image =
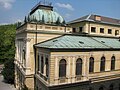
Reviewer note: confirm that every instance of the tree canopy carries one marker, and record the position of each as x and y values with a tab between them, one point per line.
7	42
7	51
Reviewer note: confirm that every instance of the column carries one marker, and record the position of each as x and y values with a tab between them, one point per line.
73	69
68	69
85	68
28	62
56	70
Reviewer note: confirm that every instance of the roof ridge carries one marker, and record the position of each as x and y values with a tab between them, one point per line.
88	16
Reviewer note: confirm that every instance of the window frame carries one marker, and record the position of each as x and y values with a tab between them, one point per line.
109	31
62	68
101	30
80	29
78	67
91	64
42	64
102	64
113	63
93	29
74	30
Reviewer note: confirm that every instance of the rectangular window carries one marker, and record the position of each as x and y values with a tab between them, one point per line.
109	31
74	30
116	32
93	29
101	30
80	29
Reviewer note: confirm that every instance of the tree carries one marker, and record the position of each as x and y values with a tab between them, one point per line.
8	71
7	42
7	51
58	21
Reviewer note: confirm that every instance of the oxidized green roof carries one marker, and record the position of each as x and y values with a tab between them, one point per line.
80	42
46	16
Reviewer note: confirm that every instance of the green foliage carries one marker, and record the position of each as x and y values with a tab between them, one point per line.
7	42
8	71
7	51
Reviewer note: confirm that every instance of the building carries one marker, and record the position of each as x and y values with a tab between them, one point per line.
81	55
96	25
41	24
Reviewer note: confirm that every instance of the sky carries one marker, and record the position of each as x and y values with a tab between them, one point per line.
12	11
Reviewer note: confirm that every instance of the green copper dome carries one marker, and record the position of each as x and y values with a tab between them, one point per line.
46	15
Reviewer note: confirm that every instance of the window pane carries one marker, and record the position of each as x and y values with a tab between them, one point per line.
93	29
42	65
102	64
47	67
62	68
116	32
91	64
113	63
80	29
79	66
74	30
109	31
101	30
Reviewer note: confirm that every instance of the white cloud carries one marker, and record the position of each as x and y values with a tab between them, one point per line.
7	4
67	6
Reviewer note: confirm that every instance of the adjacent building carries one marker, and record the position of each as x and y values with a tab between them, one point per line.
83	54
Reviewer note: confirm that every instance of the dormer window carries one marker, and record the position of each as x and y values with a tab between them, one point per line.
98	18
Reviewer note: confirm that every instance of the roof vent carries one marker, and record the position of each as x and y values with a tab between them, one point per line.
55	40
102	41
81	42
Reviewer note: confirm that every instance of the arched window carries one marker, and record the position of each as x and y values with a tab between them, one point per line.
42	65
113	63
111	87
47	67
91	64
62	68
79	66
102	64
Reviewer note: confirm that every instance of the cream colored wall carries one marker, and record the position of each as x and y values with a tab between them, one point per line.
27	40
40	38
49	28
106	27
71	58
87	28
77	25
